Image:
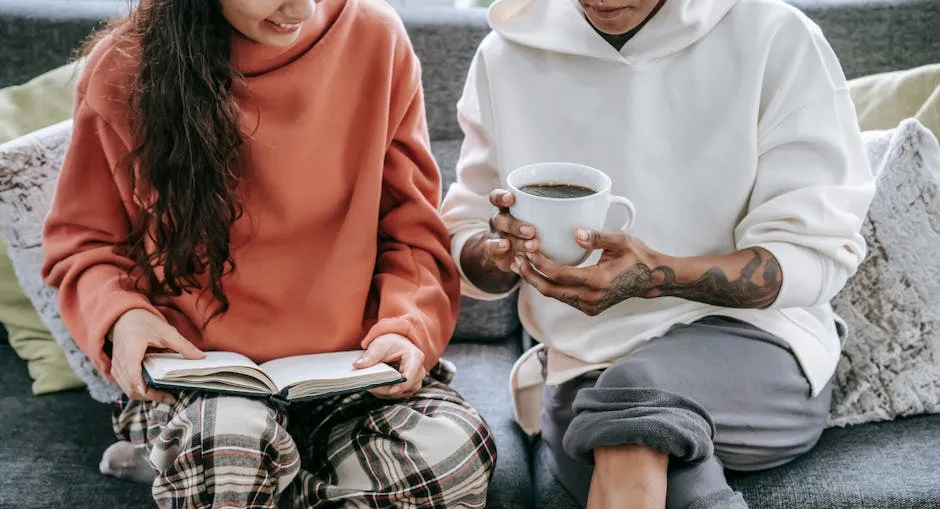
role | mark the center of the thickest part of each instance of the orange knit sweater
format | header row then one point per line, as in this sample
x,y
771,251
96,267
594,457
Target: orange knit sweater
x,y
340,241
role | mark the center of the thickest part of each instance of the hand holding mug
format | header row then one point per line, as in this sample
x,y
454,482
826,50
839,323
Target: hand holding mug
x,y
557,200
509,235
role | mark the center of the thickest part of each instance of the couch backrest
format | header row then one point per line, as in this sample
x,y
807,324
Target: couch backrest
x,y
868,35
445,41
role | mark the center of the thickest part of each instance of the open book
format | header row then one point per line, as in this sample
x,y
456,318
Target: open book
x,y
301,377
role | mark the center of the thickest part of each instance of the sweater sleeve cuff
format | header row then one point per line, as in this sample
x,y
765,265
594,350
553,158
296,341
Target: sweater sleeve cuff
x,y
100,327
468,289
803,275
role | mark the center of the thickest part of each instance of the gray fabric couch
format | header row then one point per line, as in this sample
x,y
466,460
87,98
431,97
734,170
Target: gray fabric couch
x,y
50,446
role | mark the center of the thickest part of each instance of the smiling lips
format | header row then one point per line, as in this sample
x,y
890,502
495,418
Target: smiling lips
x,y
284,28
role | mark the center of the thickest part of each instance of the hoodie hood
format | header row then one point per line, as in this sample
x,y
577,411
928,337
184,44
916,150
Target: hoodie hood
x,y
560,26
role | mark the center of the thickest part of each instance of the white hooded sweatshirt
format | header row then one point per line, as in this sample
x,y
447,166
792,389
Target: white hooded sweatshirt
x,y
726,122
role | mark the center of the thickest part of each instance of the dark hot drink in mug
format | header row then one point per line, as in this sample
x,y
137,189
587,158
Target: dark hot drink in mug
x,y
560,198
552,190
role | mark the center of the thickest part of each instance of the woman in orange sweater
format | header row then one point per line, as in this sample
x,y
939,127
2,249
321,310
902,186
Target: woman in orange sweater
x,y
255,176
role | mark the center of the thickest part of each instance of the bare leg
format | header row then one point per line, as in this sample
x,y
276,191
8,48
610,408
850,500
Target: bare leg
x,y
631,476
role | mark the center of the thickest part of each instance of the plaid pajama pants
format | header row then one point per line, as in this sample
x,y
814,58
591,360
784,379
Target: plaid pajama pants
x,y
356,451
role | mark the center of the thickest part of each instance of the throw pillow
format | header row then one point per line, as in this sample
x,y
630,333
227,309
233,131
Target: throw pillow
x,y
41,102
890,364
883,100
29,166
30,339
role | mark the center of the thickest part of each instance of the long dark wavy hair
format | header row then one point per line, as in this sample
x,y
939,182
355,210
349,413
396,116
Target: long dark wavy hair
x,y
184,167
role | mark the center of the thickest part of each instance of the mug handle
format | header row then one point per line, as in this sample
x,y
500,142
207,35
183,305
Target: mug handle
x,y
628,205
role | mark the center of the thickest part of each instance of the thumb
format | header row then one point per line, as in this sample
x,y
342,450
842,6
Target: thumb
x,y
593,239
374,354
176,342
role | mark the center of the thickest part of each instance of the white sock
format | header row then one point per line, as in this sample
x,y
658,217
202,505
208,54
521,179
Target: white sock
x,y
124,461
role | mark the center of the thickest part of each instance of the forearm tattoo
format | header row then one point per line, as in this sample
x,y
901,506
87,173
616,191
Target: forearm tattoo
x,y
756,285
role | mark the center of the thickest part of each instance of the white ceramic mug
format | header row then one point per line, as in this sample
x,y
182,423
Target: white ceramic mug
x,y
557,219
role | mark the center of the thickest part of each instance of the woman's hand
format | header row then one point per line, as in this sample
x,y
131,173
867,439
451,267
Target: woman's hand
x,y
487,258
398,351
627,268
132,335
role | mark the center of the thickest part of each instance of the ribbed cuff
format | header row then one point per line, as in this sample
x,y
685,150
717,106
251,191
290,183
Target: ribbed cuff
x,y
657,419
803,275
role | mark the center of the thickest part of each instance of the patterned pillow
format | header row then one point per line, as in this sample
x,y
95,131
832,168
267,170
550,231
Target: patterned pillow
x,y
28,170
890,364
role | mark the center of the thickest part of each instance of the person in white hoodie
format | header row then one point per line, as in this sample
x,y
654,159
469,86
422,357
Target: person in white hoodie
x,y
703,338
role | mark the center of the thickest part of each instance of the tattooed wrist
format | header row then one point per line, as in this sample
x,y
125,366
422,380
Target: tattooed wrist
x,y
750,278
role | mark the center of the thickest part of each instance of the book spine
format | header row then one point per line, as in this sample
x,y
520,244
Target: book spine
x,y
278,401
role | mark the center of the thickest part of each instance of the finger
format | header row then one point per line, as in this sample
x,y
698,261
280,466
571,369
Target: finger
x,y
381,393
128,366
402,390
499,250
593,239
547,288
410,368
122,382
176,342
562,274
511,226
152,394
502,198
376,353
136,381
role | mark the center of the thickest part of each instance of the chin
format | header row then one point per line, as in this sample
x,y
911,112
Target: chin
x,y
278,41
617,26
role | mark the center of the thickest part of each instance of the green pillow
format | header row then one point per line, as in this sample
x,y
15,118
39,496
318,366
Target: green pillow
x,y
883,100
29,337
41,102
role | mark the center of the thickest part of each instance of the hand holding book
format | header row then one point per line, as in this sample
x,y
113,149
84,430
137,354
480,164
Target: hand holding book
x,y
396,350
132,335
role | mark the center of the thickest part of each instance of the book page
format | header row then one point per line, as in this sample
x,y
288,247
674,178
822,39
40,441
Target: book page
x,y
172,367
335,368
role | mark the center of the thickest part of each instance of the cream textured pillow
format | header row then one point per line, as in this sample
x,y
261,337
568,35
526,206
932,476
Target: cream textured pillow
x,y
890,364
29,167
883,100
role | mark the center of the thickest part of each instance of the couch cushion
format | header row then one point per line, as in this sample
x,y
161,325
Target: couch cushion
x,y
885,465
483,380
51,446
479,320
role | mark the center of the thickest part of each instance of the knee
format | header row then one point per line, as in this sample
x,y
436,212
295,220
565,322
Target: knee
x,y
451,444
633,404
216,423
634,373
464,439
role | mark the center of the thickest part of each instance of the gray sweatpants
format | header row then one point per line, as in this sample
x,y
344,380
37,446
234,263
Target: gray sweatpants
x,y
714,394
